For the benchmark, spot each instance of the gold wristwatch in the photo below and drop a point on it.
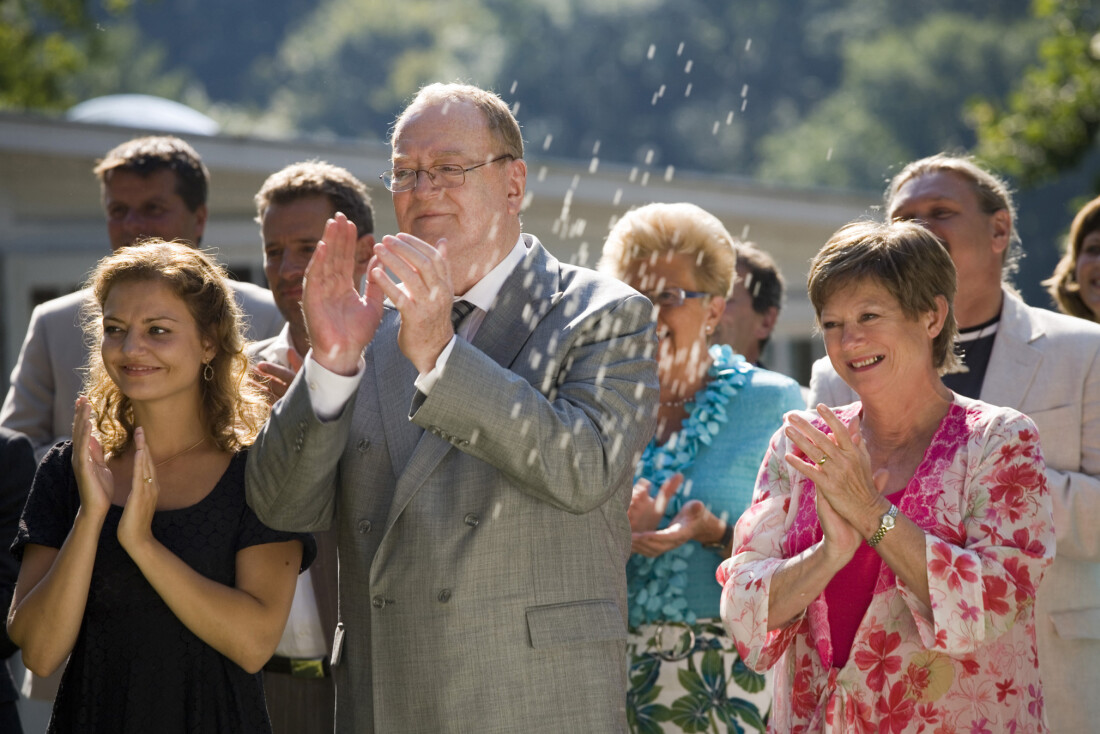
(885, 525)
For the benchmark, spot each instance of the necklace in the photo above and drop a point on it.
(656, 586)
(180, 453)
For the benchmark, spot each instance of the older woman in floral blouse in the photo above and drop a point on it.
(888, 566)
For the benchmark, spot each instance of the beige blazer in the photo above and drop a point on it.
(1047, 365)
(482, 530)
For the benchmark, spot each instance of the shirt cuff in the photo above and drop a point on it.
(328, 391)
(426, 381)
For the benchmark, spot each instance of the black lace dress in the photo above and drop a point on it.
(135, 667)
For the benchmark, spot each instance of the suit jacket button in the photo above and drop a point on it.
(363, 526)
(444, 596)
(378, 602)
(471, 519)
(362, 446)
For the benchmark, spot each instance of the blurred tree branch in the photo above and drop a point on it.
(43, 43)
(1053, 115)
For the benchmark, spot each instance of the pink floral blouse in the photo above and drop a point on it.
(969, 663)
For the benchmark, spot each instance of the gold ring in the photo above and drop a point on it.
(148, 480)
(823, 459)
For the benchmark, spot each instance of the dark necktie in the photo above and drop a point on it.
(459, 311)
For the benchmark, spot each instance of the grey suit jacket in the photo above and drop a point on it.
(50, 372)
(1048, 366)
(482, 530)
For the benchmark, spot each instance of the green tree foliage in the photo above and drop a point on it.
(44, 43)
(1052, 116)
(902, 96)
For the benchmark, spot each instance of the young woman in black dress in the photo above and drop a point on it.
(142, 564)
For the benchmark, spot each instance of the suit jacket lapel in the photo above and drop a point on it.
(526, 296)
(1013, 363)
(530, 291)
(394, 375)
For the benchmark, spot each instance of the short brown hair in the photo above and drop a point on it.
(498, 116)
(344, 191)
(656, 229)
(233, 406)
(905, 259)
(992, 192)
(145, 156)
(1063, 285)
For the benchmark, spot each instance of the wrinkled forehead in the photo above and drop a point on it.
(929, 187)
(440, 127)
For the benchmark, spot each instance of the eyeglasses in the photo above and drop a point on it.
(447, 176)
(673, 297)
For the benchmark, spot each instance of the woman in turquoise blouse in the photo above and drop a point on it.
(696, 477)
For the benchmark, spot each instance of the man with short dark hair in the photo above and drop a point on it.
(1041, 363)
(292, 208)
(472, 432)
(151, 187)
(754, 304)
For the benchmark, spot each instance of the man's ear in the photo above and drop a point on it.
(200, 221)
(517, 184)
(1000, 222)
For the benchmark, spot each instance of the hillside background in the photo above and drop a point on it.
(805, 93)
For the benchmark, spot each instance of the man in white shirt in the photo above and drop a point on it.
(478, 480)
(292, 208)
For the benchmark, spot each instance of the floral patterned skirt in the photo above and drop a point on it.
(689, 678)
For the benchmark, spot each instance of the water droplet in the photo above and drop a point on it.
(645, 178)
(515, 109)
(527, 198)
(542, 173)
(633, 174)
(652, 50)
(829, 154)
(617, 197)
(546, 143)
(729, 118)
(596, 148)
(661, 91)
(669, 173)
(687, 66)
(744, 104)
(717, 125)
(649, 156)
(515, 83)
(748, 45)
(687, 92)
(593, 164)
(745, 232)
(744, 90)
(680, 48)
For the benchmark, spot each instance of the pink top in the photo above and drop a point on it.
(969, 662)
(849, 594)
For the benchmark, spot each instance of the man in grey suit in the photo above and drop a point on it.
(292, 208)
(478, 480)
(151, 187)
(1041, 363)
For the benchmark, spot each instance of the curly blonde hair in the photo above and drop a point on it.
(233, 407)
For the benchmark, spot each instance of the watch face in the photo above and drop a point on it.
(888, 521)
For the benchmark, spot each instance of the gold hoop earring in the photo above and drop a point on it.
(207, 372)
